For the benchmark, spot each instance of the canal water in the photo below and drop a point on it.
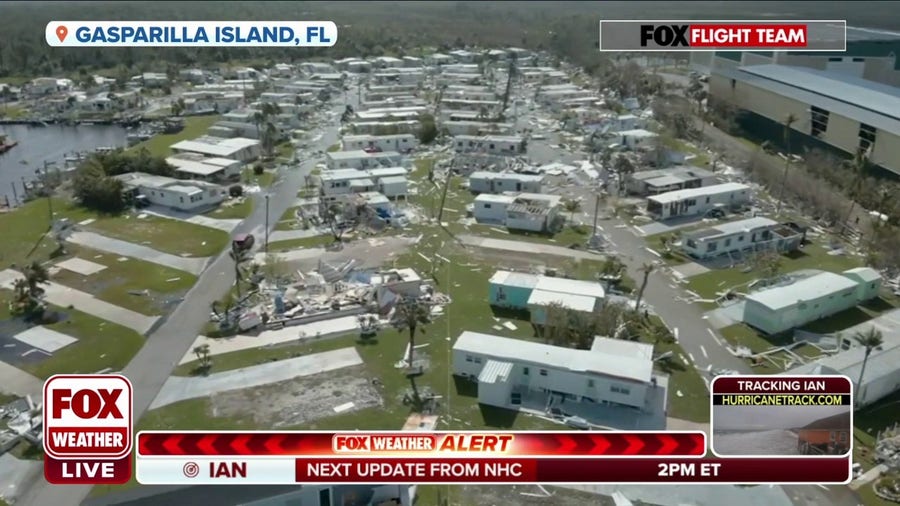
(52, 143)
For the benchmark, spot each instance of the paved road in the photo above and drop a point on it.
(166, 346)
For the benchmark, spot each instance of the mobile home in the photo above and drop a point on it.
(499, 182)
(698, 201)
(753, 234)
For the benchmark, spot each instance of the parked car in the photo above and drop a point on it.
(243, 242)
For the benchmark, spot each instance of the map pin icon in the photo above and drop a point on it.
(61, 32)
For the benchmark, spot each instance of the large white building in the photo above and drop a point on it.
(833, 109)
(696, 201)
(196, 166)
(236, 148)
(172, 193)
(613, 371)
(390, 181)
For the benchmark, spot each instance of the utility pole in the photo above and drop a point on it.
(266, 247)
(596, 212)
(444, 195)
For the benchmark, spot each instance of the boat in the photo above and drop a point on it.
(6, 145)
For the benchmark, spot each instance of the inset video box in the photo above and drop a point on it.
(782, 416)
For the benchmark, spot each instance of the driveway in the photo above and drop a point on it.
(179, 388)
(128, 249)
(18, 382)
(528, 247)
(226, 225)
(64, 296)
(285, 235)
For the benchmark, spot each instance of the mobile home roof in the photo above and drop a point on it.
(690, 193)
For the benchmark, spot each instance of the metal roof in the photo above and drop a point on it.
(392, 179)
(632, 367)
(683, 172)
(495, 199)
(361, 183)
(849, 363)
(812, 288)
(494, 371)
(691, 193)
(514, 279)
(734, 227)
(860, 100)
(867, 274)
(571, 301)
(483, 174)
(573, 286)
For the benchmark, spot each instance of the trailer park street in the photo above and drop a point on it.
(290, 305)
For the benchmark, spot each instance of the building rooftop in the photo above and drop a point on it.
(622, 348)
(381, 172)
(867, 274)
(376, 137)
(813, 287)
(868, 102)
(215, 146)
(731, 228)
(598, 362)
(682, 172)
(573, 286)
(494, 371)
(483, 174)
(539, 198)
(358, 153)
(342, 174)
(514, 279)
(361, 183)
(393, 179)
(881, 364)
(496, 199)
(196, 167)
(690, 193)
(638, 132)
(571, 301)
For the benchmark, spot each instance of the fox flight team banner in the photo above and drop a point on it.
(726, 35)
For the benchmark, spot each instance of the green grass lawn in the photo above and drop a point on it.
(334, 147)
(284, 150)
(13, 112)
(264, 180)
(101, 344)
(868, 422)
(287, 221)
(164, 234)
(23, 230)
(812, 256)
(115, 283)
(318, 241)
(228, 211)
(194, 126)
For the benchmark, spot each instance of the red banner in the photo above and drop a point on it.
(434, 444)
(87, 471)
(571, 470)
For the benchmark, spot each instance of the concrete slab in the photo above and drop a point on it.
(16, 475)
(64, 296)
(16, 381)
(527, 247)
(294, 333)
(45, 339)
(81, 266)
(180, 388)
(125, 248)
(292, 255)
(226, 225)
(286, 235)
(690, 269)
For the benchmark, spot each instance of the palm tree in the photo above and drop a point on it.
(238, 256)
(789, 120)
(572, 207)
(29, 294)
(858, 166)
(409, 314)
(646, 269)
(869, 339)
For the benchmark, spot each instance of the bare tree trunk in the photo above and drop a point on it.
(412, 346)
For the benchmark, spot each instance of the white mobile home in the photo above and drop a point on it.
(500, 182)
(393, 186)
(362, 159)
(173, 193)
(750, 235)
(698, 201)
(491, 209)
(194, 166)
(507, 370)
(486, 107)
(476, 128)
(401, 143)
(635, 139)
(236, 148)
(533, 212)
(491, 144)
(654, 182)
(384, 127)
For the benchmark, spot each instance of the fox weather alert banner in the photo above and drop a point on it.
(191, 33)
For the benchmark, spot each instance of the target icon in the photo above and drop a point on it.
(191, 469)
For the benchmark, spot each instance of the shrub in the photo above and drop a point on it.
(236, 190)
(258, 169)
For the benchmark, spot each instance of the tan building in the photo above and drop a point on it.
(832, 109)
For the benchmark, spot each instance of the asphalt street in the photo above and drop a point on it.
(165, 347)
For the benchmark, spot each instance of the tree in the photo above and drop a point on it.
(239, 256)
(789, 120)
(334, 217)
(612, 266)
(869, 339)
(203, 356)
(646, 269)
(767, 263)
(623, 165)
(29, 294)
(178, 107)
(859, 167)
(428, 129)
(411, 314)
(572, 206)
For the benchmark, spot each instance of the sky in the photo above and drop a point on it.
(770, 417)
